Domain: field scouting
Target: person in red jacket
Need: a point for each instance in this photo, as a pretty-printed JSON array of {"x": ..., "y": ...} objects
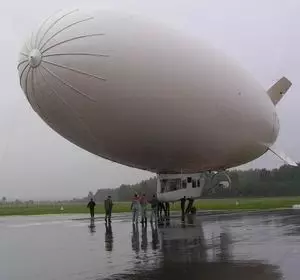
[{"x": 143, "y": 203}]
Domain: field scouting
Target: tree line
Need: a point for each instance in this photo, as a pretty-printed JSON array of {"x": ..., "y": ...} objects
[{"x": 283, "y": 181}]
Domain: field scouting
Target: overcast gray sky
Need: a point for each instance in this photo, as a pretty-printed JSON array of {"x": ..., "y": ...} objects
[{"x": 37, "y": 163}]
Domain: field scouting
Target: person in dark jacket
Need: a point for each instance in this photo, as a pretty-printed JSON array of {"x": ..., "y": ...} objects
[
  {"x": 190, "y": 205},
  {"x": 167, "y": 212},
  {"x": 154, "y": 209},
  {"x": 182, "y": 205},
  {"x": 161, "y": 208},
  {"x": 91, "y": 205}
]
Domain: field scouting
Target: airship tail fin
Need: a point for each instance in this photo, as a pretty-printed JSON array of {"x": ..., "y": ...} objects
[
  {"x": 279, "y": 89},
  {"x": 282, "y": 156}
]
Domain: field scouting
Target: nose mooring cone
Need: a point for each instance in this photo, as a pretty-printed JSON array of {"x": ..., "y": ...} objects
[{"x": 34, "y": 58}]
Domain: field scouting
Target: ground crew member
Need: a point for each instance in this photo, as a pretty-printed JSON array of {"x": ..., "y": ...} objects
[
  {"x": 143, "y": 203},
  {"x": 108, "y": 204},
  {"x": 182, "y": 205},
  {"x": 92, "y": 205},
  {"x": 190, "y": 205},
  {"x": 161, "y": 208},
  {"x": 167, "y": 213},
  {"x": 135, "y": 208},
  {"x": 154, "y": 209}
]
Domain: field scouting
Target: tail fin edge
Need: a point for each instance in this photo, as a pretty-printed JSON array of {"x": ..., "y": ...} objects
[{"x": 279, "y": 89}]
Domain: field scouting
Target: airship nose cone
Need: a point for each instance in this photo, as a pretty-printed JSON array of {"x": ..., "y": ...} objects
[
  {"x": 34, "y": 58},
  {"x": 29, "y": 66}
]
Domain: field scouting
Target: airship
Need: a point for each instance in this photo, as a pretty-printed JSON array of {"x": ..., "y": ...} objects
[{"x": 141, "y": 93}]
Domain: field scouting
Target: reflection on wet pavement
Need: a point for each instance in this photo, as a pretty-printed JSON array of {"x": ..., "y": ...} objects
[
  {"x": 108, "y": 238},
  {"x": 232, "y": 246}
]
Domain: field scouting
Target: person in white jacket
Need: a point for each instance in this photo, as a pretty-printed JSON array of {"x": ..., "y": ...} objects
[{"x": 135, "y": 208}]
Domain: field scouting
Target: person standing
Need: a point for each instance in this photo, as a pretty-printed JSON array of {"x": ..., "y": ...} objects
[
  {"x": 154, "y": 209},
  {"x": 182, "y": 205},
  {"x": 190, "y": 205},
  {"x": 143, "y": 203},
  {"x": 108, "y": 204},
  {"x": 91, "y": 205},
  {"x": 167, "y": 206},
  {"x": 135, "y": 208},
  {"x": 161, "y": 208}
]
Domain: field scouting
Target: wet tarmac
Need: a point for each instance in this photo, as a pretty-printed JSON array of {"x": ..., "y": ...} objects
[{"x": 229, "y": 246}]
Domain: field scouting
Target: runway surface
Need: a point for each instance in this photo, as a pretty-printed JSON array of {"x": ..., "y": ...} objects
[{"x": 229, "y": 246}]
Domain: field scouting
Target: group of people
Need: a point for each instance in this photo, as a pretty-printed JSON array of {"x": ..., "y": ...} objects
[{"x": 139, "y": 207}]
